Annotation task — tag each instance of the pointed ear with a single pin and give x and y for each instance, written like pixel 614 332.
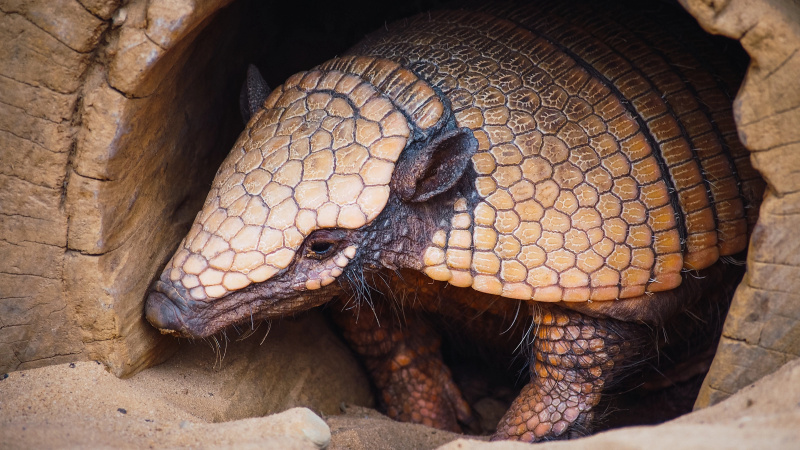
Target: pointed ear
pixel 435 167
pixel 254 92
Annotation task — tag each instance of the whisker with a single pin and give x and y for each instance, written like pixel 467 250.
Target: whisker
pixel 514 320
pixel 269 327
pixel 217 351
pixel 249 332
pixel 225 351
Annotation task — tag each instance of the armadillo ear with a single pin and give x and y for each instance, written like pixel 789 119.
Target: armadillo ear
pixel 434 168
pixel 254 92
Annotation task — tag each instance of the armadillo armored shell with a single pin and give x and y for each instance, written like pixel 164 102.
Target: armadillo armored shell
pixel 603 170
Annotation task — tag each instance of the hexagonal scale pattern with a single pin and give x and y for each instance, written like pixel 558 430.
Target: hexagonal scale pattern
pixel 580 147
pixel 603 168
pixel 320 154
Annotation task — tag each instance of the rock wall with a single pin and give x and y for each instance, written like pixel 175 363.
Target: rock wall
pixel 108 132
pixel 113 119
pixel 762 331
pixel 46 49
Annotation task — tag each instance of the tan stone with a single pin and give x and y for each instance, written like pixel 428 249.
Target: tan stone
pixel 39 58
pixel 82 34
pixel 102 8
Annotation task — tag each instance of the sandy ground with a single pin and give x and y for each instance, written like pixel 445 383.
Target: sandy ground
pixel 190 402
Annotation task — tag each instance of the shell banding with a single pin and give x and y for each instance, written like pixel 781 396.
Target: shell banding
pixel 590 165
pixel 320 154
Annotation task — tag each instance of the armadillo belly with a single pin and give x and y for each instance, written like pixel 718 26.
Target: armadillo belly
pixel 608 159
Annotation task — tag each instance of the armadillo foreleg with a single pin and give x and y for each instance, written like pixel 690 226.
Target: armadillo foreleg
pixel 574 357
pixel 403 357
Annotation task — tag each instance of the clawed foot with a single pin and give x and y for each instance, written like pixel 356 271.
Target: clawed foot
pixel 420 389
pixel 548 410
pixel 406 365
pixel 574 358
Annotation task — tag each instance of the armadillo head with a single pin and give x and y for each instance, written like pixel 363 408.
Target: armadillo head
pixel 291 206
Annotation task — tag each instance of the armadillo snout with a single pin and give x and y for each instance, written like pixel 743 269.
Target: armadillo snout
pixel 164 312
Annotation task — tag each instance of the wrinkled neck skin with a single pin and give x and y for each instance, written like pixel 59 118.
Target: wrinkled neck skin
pixel 398 238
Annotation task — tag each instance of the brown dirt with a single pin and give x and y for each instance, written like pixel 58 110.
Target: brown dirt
pixel 180 405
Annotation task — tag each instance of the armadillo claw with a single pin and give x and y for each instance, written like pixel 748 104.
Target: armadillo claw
pixel 544 411
pixel 574 358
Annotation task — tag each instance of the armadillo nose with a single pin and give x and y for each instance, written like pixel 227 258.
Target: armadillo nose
pixel 162 313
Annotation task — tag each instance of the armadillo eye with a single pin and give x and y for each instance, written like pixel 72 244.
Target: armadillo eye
pixel 322 248
pixel 323 243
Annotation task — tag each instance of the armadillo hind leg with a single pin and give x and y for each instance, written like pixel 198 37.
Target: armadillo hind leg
pixel 574 358
pixel 405 363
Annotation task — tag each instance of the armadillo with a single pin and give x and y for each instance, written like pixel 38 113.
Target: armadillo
pixel 557 165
